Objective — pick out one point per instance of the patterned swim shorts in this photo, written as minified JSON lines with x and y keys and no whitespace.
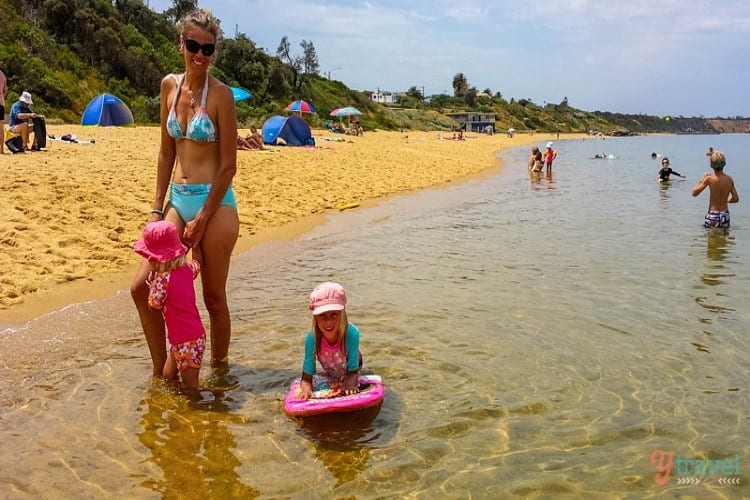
{"x":716,"y":219}
{"x":189,"y":354}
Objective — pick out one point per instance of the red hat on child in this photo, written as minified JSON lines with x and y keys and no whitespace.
{"x":160,"y":242}
{"x":327,"y":297}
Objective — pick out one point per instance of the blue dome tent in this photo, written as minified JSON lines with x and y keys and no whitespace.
{"x":292,"y":129}
{"x":106,"y":110}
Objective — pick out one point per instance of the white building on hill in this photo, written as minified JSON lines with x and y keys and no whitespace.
{"x":380,"y":96}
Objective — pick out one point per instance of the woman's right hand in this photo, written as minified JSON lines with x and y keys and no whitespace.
{"x":193,"y":232}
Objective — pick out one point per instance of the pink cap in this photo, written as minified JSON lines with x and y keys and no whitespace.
{"x":327,"y":297}
{"x":160,"y":242}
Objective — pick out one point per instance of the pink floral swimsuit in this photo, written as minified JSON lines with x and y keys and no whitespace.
{"x":174,"y":294}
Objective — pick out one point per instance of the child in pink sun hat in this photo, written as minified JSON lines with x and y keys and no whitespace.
{"x":171,"y":290}
{"x":332,"y":341}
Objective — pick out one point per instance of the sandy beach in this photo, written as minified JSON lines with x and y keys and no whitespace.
{"x":70,"y":214}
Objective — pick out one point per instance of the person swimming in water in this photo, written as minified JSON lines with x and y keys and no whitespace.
{"x":666,"y":171}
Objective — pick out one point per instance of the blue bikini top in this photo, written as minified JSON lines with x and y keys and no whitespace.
{"x":200,"y":128}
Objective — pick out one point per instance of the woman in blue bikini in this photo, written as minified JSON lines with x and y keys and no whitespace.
{"x":196,"y":164}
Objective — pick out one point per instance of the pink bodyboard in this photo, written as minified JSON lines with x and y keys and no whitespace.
{"x":326,"y":400}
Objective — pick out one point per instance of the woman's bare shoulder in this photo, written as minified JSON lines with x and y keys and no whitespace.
{"x":214,"y":84}
{"x":170,"y":80}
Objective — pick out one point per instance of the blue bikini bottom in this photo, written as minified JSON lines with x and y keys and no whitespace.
{"x":188,"y":199}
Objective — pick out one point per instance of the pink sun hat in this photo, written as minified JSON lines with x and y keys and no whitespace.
{"x":327,"y":297}
{"x":160,"y":242}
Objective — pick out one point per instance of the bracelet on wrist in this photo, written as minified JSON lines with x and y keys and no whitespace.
{"x":158,"y":212}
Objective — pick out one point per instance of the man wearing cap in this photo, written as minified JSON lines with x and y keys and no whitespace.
{"x":3,"y":93}
{"x":20,"y":114}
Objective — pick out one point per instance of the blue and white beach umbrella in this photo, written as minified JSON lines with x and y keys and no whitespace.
{"x":240,"y":94}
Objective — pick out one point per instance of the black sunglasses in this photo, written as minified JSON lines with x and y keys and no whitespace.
{"x":193,"y":47}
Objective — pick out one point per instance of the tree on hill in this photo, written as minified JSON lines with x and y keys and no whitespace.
{"x":179,"y":8}
{"x":284,"y":52}
{"x":460,"y":84}
{"x":244,"y":64}
{"x":415,"y":93}
{"x":309,"y":58}
{"x":470,"y":97}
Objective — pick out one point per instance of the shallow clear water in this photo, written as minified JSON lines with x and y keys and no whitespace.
{"x":537,"y":337}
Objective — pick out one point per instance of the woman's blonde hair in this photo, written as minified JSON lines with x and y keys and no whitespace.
{"x":200,"y":18}
{"x":163,"y":267}
{"x":343,"y":327}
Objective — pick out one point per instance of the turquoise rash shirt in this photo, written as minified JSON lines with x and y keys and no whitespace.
{"x":330,"y":357}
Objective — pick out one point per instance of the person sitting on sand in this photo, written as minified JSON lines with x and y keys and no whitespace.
{"x":252,"y":141}
{"x":357,"y":129}
{"x":335,"y":127}
{"x":21,"y":115}
{"x":256,"y":135}
{"x":666,"y":171}
{"x":722,"y":191}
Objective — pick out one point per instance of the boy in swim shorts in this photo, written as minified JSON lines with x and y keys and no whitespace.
{"x":722,"y":192}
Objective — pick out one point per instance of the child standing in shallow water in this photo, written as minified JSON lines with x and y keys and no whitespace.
{"x":333,"y":341}
{"x":722,"y":192}
{"x":536,"y":162}
{"x":549,"y":156}
{"x":171,"y":290}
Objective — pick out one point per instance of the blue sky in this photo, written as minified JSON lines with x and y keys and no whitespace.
{"x":657,"y":57}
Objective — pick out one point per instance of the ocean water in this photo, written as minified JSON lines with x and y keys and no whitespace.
{"x":574,"y":335}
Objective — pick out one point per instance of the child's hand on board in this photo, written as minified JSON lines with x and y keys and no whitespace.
{"x":351,"y":383}
{"x":305,"y":390}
